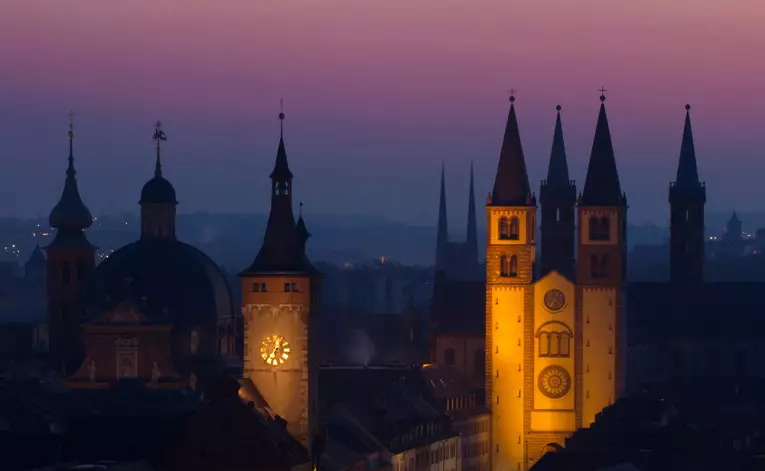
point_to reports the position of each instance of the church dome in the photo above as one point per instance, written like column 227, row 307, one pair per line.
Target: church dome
column 158, row 190
column 174, row 283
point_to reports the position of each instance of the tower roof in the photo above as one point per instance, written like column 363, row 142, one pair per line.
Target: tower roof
column 557, row 171
column 70, row 213
column 443, row 226
column 602, row 187
column 37, row 256
column 302, row 230
column 511, row 184
column 158, row 189
column 283, row 248
column 687, row 171
column 472, row 227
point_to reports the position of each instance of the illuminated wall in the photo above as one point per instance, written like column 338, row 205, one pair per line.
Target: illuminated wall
column 276, row 320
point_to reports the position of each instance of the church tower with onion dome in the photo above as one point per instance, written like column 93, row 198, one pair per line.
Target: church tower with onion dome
column 70, row 263
column 279, row 303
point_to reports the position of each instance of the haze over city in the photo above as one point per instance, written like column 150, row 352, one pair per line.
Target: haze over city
column 376, row 95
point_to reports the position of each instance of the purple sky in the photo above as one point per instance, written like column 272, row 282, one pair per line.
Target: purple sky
column 376, row 94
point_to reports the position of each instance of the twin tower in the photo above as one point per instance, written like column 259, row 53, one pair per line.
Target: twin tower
column 555, row 340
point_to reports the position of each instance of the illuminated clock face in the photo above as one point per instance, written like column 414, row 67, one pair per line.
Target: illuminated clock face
column 554, row 382
column 555, row 300
column 274, row 350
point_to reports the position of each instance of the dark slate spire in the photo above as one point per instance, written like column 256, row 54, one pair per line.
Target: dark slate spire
column 283, row 248
column 602, row 188
column 557, row 171
column 281, row 169
column 511, row 184
column 687, row 171
column 442, row 237
column 70, row 214
column 472, row 227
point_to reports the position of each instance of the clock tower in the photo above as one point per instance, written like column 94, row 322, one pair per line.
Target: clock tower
column 279, row 300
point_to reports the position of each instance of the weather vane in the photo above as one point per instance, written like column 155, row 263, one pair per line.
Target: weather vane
column 159, row 134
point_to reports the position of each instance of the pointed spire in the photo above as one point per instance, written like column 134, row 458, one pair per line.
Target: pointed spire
column 557, row 171
column 511, row 184
column 281, row 168
column 687, row 171
column 443, row 226
column 301, row 228
column 442, row 236
column 472, row 227
column 283, row 248
column 70, row 214
column 602, row 187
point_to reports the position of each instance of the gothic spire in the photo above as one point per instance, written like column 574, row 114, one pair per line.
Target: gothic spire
column 511, row 184
column 442, row 236
column 557, row 171
column 472, row 227
column 687, row 171
column 602, row 187
column 70, row 214
column 281, row 168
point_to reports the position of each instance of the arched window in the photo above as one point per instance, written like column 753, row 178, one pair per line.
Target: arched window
column 514, row 228
column 504, row 266
column 554, row 340
column 594, row 228
column 504, row 228
column 605, row 228
column 479, row 362
column 544, row 344
column 450, row 357
column 557, row 214
column 514, row 265
column 565, row 344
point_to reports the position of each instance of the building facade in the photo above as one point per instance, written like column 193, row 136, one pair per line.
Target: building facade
column 553, row 342
column 279, row 303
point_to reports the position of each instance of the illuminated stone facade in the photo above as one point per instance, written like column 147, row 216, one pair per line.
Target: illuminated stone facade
column 553, row 344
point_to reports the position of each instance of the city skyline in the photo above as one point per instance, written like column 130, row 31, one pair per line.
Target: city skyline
column 376, row 116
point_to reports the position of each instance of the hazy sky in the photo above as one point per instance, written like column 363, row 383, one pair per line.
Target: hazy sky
column 377, row 94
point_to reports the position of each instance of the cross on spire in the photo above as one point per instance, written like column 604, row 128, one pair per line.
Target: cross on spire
column 602, row 91
column 512, row 94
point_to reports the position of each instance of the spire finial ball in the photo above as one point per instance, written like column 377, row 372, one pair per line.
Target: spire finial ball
column 512, row 99
column 281, row 116
column 602, row 98
column 558, row 108
column 687, row 107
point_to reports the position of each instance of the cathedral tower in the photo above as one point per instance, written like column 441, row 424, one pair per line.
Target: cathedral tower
column 442, row 237
column 602, row 215
column 279, row 303
column 687, row 196
column 158, row 199
column 471, row 242
column 510, row 256
column 70, row 262
column 557, row 198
